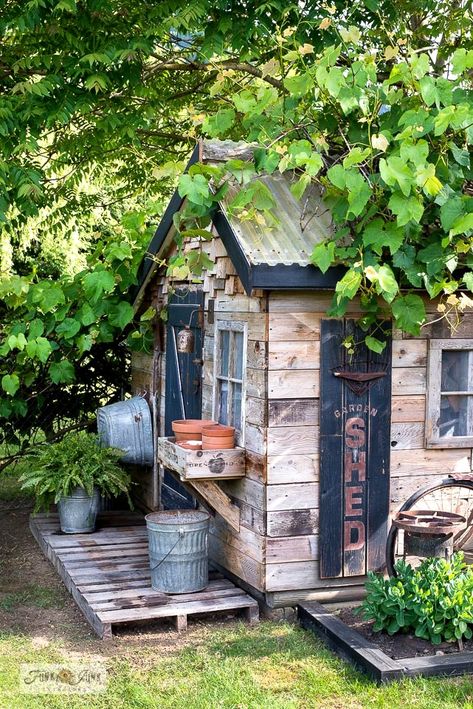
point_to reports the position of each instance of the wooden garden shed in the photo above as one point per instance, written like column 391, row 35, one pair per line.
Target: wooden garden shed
column 332, row 444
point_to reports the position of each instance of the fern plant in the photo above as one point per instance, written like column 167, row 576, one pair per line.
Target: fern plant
column 78, row 460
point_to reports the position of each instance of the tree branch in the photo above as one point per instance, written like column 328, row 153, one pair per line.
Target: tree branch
column 226, row 64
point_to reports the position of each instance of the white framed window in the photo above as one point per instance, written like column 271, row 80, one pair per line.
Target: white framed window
column 450, row 394
column 229, row 375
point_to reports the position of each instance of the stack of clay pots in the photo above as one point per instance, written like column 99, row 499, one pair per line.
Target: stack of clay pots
column 201, row 434
column 218, row 437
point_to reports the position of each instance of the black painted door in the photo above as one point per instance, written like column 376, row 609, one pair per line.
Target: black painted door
column 355, row 418
column 183, row 395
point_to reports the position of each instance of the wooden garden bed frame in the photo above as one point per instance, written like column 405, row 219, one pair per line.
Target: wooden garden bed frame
column 368, row 658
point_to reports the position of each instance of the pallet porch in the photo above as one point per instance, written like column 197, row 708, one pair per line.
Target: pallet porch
column 107, row 574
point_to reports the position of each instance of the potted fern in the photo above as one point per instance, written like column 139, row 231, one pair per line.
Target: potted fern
column 74, row 473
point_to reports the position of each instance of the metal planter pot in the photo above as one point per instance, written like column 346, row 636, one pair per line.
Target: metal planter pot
column 78, row 512
column 178, row 550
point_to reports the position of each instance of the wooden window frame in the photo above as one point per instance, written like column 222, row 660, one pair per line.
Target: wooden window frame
column 230, row 326
column 434, row 393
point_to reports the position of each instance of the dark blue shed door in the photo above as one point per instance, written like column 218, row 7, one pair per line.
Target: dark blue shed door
column 183, row 395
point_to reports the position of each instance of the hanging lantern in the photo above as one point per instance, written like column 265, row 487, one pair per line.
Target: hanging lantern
column 185, row 340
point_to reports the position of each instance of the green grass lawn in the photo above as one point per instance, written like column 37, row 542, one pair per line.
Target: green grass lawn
column 271, row 666
column 226, row 665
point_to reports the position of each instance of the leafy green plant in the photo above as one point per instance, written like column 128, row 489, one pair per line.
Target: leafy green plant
column 77, row 460
column 435, row 600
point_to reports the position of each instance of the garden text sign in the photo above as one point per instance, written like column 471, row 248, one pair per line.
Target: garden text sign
column 354, row 457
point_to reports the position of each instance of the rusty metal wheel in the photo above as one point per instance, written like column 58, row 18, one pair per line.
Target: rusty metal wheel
column 451, row 495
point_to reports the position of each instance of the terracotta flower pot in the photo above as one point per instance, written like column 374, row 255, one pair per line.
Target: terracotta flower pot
column 218, row 437
column 191, row 445
column 210, row 443
column 218, row 429
column 190, row 429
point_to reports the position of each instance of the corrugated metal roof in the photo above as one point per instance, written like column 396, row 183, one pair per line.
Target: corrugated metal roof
column 300, row 225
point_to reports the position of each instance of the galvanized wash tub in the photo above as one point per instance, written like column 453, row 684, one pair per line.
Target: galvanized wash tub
column 127, row 425
column 178, row 550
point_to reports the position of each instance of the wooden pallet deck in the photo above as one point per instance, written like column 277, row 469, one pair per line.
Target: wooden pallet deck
column 107, row 574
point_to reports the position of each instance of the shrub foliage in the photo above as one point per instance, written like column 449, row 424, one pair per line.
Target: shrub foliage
column 435, row 600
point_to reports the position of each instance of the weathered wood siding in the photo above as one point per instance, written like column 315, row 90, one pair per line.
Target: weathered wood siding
column 292, row 492
column 277, row 548
column 243, row 553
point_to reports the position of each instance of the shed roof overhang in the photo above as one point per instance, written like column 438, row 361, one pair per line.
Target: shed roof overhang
column 253, row 275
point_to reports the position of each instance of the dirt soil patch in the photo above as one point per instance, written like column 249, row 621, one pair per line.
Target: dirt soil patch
column 35, row 603
column 401, row 645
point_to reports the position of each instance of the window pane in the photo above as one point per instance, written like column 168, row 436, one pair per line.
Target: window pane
column 224, row 351
column 222, row 400
column 236, row 405
column 238, row 355
column 457, row 370
column 456, row 416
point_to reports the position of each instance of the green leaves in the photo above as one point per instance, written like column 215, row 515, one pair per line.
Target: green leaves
column 299, row 85
column 97, row 283
column 409, row 313
column 68, row 328
column 39, row 348
column 62, row 372
column 79, row 459
column 406, row 209
column 219, row 124
column 348, row 286
column 323, row 255
column 374, row 344
column 195, row 188
column 10, row 384
column 121, row 315
column 379, row 234
column 357, row 189
column 384, row 281
column 433, row 600
column 395, row 172
column 462, row 59
column 427, row 180
column 462, row 225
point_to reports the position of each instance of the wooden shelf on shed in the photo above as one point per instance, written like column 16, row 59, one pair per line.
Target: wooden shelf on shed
column 201, row 473
column 201, row 465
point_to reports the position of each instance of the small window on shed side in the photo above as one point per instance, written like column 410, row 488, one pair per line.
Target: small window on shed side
column 450, row 394
column 230, row 367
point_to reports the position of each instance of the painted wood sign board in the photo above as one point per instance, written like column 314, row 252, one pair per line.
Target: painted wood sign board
column 354, row 453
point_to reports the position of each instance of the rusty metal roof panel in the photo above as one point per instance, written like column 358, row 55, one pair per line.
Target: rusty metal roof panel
column 300, row 225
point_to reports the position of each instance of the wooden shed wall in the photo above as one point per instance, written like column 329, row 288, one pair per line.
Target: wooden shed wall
column 292, row 494
column 243, row 553
column 276, row 550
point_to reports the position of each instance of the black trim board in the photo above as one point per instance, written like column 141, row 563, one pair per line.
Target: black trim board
column 233, row 249
column 368, row 658
column 295, row 277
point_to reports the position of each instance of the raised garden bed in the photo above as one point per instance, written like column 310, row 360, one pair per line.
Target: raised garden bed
column 368, row 651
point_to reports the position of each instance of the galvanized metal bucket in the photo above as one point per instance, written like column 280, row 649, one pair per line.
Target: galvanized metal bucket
column 178, row 550
column 127, row 425
column 78, row 512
